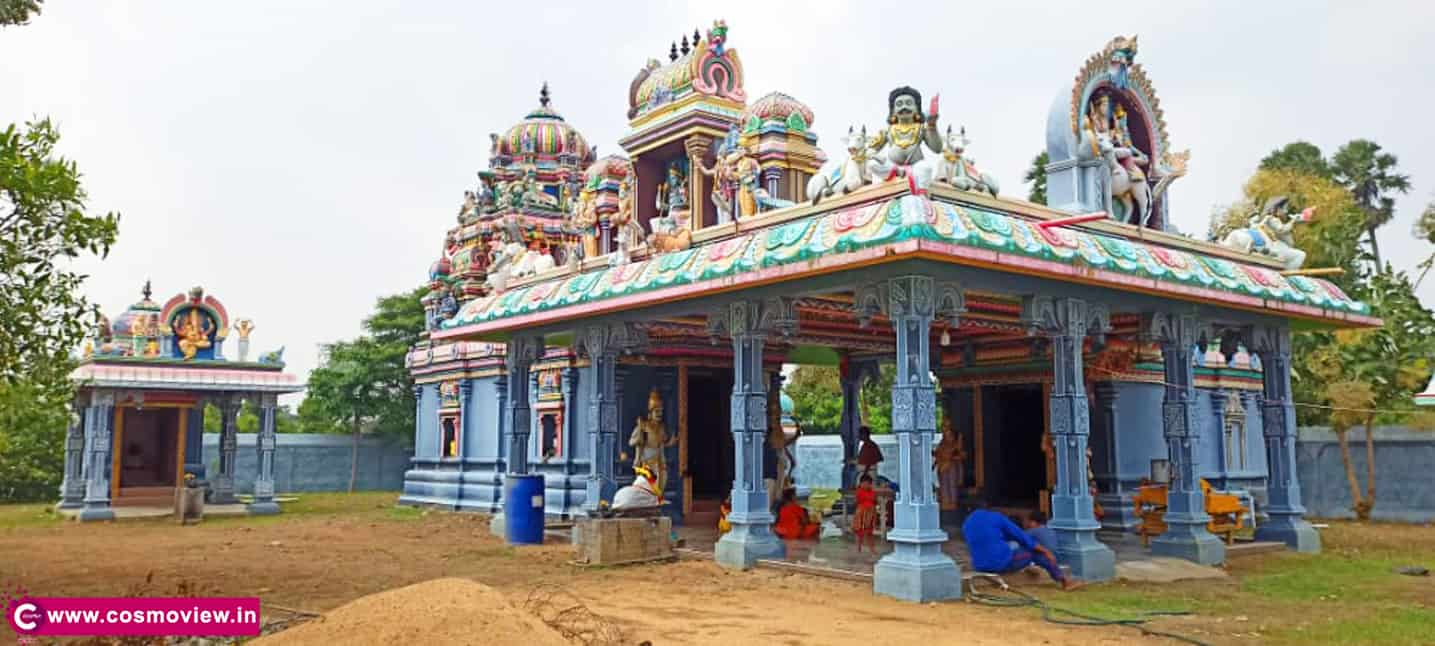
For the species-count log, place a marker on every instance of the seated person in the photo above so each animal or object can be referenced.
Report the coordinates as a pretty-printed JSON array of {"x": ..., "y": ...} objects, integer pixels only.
[
  {"x": 987, "y": 533},
  {"x": 1035, "y": 526},
  {"x": 869, "y": 455},
  {"x": 642, "y": 493},
  {"x": 724, "y": 526},
  {"x": 793, "y": 522}
]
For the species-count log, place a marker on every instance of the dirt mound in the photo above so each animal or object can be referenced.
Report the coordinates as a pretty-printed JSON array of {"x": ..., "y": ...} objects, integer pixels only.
[{"x": 441, "y": 611}]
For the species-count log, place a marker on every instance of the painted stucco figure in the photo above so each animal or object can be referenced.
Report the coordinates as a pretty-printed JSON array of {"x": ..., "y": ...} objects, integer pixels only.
[
  {"x": 1271, "y": 232},
  {"x": 650, "y": 438},
  {"x": 847, "y": 173},
  {"x": 949, "y": 461},
  {"x": 954, "y": 167},
  {"x": 898, "y": 147},
  {"x": 193, "y": 333}
]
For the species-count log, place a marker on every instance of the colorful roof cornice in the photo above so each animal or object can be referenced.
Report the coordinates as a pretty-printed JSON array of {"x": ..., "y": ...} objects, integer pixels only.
[{"x": 902, "y": 227}]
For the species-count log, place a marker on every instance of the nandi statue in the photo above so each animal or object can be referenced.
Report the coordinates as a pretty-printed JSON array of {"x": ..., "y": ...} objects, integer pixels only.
[
  {"x": 958, "y": 170},
  {"x": 847, "y": 173},
  {"x": 1267, "y": 233}
]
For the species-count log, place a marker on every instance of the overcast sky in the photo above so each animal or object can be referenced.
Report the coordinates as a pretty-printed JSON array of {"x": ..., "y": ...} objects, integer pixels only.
[{"x": 299, "y": 159}]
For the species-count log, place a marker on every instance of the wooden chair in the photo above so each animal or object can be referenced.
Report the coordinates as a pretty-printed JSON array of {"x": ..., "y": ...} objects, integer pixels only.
[{"x": 1225, "y": 509}]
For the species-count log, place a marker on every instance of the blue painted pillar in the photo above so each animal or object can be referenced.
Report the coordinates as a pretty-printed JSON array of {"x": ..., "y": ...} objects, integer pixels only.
[
  {"x": 465, "y": 410},
  {"x": 265, "y": 444},
  {"x": 72, "y": 489},
  {"x": 854, "y": 374},
  {"x": 751, "y": 537},
  {"x": 916, "y": 569},
  {"x": 223, "y": 483},
  {"x": 1067, "y": 321},
  {"x": 602, "y": 344},
  {"x": 500, "y": 397},
  {"x": 1186, "y": 535},
  {"x": 1106, "y": 462},
  {"x": 522, "y": 352},
  {"x": 99, "y": 442},
  {"x": 194, "y": 443},
  {"x": 1286, "y": 516}
]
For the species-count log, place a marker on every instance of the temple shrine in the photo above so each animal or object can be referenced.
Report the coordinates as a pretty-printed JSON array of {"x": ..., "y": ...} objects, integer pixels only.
[
  {"x": 589, "y": 315},
  {"x": 142, "y": 385}
]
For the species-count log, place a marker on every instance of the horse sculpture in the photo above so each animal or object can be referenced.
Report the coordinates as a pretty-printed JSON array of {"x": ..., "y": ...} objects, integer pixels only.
[
  {"x": 1268, "y": 234},
  {"x": 955, "y": 169},
  {"x": 847, "y": 173}
]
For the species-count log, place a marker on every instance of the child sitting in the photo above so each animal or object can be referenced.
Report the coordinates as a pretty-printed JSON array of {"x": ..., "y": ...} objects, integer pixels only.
[
  {"x": 724, "y": 526},
  {"x": 793, "y": 522}
]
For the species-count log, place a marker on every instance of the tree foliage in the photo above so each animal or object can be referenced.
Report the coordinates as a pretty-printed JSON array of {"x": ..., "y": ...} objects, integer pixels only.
[
  {"x": 1371, "y": 178},
  {"x": 1301, "y": 157},
  {"x": 364, "y": 385},
  {"x": 1036, "y": 176},
  {"x": 17, "y": 12},
  {"x": 816, "y": 393},
  {"x": 43, "y": 316}
]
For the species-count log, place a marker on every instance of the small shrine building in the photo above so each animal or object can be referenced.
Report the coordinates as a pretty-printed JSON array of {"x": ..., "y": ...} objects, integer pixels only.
[
  {"x": 142, "y": 386},
  {"x": 590, "y": 314}
]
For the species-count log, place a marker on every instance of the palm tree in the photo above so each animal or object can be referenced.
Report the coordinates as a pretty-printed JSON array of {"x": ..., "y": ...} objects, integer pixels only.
[{"x": 1370, "y": 177}]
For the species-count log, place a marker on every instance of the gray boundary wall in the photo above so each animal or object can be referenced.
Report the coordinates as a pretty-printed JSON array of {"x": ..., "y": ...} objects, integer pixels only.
[
  {"x": 316, "y": 462},
  {"x": 1404, "y": 470}
]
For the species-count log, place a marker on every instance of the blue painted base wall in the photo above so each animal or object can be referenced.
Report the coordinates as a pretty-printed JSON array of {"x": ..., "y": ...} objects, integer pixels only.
[{"x": 316, "y": 462}]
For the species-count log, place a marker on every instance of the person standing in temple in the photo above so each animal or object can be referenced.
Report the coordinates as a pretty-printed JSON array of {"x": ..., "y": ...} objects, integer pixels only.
[{"x": 868, "y": 454}]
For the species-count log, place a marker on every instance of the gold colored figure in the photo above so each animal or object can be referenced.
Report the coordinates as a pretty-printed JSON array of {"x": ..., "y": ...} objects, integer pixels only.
[
  {"x": 747, "y": 191},
  {"x": 193, "y": 333},
  {"x": 950, "y": 462},
  {"x": 650, "y": 438},
  {"x": 585, "y": 220}
]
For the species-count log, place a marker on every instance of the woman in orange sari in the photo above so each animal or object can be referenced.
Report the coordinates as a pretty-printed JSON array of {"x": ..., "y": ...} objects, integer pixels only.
[{"x": 793, "y": 522}]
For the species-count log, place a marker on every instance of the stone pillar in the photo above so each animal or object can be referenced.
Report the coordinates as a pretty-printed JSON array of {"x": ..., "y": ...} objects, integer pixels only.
[
  {"x": 1186, "y": 534},
  {"x": 916, "y": 569},
  {"x": 222, "y": 491},
  {"x": 522, "y": 352},
  {"x": 1219, "y": 399},
  {"x": 602, "y": 344},
  {"x": 500, "y": 398},
  {"x": 697, "y": 148},
  {"x": 72, "y": 489},
  {"x": 853, "y": 374},
  {"x": 747, "y": 324},
  {"x": 770, "y": 179},
  {"x": 1067, "y": 321},
  {"x": 1106, "y": 455},
  {"x": 99, "y": 442},
  {"x": 1286, "y": 516},
  {"x": 265, "y": 444}
]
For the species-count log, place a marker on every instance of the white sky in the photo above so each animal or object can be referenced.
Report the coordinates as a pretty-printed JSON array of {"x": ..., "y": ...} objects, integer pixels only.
[{"x": 299, "y": 159}]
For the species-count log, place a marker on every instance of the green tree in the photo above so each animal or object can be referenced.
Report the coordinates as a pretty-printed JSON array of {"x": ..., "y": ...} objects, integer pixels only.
[
  {"x": 1036, "y": 176},
  {"x": 43, "y": 316},
  {"x": 17, "y": 12},
  {"x": 364, "y": 385},
  {"x": 1371, "y": 178},
  {"x": 1424, "y": 229},
  {"x": 816, "y": 394},
  {"x": 1301, "y": 157}
]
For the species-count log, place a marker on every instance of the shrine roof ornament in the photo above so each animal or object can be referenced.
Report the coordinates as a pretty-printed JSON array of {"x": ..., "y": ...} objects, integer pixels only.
[
  {"x": 710, "y": 69},
  {"x": 959, "y": 233},
  {"x": 541, "y": 132}
]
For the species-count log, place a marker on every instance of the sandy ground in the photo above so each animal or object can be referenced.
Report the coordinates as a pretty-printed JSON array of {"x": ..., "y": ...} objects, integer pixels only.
[{"x": 319, "y": 562}]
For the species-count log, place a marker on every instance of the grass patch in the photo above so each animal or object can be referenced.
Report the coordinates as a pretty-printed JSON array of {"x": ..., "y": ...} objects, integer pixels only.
[
  {"x": 1393, "y": 626},
  {"x": 404, "y": 514},
  {"x": 29, "y": 515}
]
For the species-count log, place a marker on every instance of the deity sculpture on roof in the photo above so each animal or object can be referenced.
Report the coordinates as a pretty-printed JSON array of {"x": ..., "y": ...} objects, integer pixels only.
[
  {"x": 673, "y": 194},
  {"x": 193, "y": 333},
  {"x": 583, "y": 218},
  {"x": 724, "y": 174},
  {"x": 899, "y": 145}
]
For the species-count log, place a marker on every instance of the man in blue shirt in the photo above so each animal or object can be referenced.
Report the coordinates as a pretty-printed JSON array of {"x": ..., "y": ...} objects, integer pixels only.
[
  {"x": 987, "y": 533},
  {"x": 1035, "y": 525}
]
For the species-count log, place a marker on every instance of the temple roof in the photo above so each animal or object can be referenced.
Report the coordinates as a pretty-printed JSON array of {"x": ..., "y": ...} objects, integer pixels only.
[
  {"x": 545, "y": 131},
  {"x": 174, "y": 375},
  {"x": 964, "y": 231}
]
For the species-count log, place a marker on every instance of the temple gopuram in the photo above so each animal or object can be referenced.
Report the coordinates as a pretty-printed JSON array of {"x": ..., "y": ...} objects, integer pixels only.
[
  {"x": 589, "y": 315},
  {"x": 142, "y": 385}
]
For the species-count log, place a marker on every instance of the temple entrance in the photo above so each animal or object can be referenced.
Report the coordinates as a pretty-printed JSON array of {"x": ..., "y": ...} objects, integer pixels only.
[
  {"x": 1015, "y": 422},
  {"x": 710, "y": 448},
  {"x": 147, "y": 454}
]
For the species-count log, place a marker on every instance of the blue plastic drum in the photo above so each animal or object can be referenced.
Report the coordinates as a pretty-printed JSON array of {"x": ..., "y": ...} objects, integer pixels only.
[{"x": 523, "y": 509}]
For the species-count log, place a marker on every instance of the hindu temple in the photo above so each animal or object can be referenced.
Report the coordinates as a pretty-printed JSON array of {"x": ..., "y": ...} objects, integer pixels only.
[
  {"x": 589, "y": 315},
  {"x": 143, "y": 383}
]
